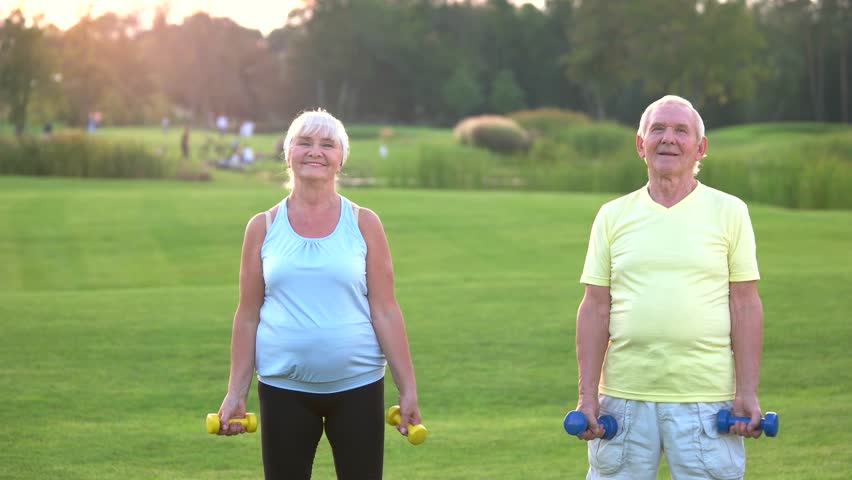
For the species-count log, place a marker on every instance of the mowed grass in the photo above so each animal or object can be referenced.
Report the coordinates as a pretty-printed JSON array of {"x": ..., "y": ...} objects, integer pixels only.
[{"x": 116, "y": 300}]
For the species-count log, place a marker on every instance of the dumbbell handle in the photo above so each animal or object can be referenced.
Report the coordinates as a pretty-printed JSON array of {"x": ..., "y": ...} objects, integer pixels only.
[
  {"x": 732, "y": 419},
  {"x": 575, "y": 423},
  {"x": 416, "y": 433},
  {"x": 769, "y": 423},
  {"x": 213, "y": 423}
]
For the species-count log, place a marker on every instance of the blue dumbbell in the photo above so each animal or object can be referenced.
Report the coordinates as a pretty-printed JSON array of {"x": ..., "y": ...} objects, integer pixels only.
[
  {"x": 575, "y": 423},
  {"x": 769, "y": 423}
]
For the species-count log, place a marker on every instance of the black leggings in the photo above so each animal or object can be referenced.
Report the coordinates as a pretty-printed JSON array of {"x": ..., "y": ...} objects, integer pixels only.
[{"x": 292, "y": 423}]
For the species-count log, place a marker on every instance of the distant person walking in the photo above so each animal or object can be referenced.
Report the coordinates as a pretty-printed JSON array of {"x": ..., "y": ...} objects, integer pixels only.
[
  {"x": 247, "y": 156},
  {"x": 318, "y": 319},
  {"x": 222, "y": 124},
  {"x": 184, "y": 143},
  {"x": 670, "y": 328},
  {"x": 247, "y": 129},
  {"x": 93, "y": 120}
]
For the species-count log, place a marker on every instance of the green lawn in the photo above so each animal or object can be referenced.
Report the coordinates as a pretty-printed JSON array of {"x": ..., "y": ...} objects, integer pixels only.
[{"x": 116, "y": 299}]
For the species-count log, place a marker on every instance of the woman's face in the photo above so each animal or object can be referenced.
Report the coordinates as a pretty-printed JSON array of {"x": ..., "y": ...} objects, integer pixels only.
[{"x": 314, "y": 157}]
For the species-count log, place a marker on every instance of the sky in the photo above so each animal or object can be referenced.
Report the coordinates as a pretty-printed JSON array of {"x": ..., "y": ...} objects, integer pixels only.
[{"x": 264, "y": 15}]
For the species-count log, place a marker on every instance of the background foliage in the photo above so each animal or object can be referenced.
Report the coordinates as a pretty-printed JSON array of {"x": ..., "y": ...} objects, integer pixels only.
[{"x": 435, "y": 62}]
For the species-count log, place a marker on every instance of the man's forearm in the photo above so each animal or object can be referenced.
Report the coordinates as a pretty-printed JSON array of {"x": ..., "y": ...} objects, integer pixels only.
[
  {"x": 746, "y": 336},
  {"x": 592, "y": 339}
]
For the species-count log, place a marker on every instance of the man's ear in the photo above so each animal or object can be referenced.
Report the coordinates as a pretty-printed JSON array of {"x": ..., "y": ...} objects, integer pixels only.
[{"x": 702, "y": 148}]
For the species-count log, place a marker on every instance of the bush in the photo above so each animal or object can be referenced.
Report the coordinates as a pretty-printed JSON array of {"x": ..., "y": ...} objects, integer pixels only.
[
  {"x": 819, "y": 183},
  {"x": 492, "y": 132},
  {"x": 600, "y": 140},
  {"x": 548, "y": 122},
  {"x": 441, "y": 166},
  {"x": 80, "y": 155},
  {"x": 363, "y": 131},
  {"x": 592, "y": 176}
]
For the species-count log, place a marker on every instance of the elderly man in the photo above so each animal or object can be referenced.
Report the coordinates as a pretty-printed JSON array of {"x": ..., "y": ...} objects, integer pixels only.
[{"x": 670, "y": 327}]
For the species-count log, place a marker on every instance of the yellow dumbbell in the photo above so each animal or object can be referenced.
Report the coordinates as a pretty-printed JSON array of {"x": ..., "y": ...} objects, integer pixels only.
[
  {"x": 250, "y": 422},
  {"x": 416, "y": 433}
]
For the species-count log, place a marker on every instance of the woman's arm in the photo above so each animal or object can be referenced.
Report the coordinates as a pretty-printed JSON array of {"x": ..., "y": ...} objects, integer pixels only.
[
  {"x": 387, "y": 317},
  {"x": 244, "y": 330}
]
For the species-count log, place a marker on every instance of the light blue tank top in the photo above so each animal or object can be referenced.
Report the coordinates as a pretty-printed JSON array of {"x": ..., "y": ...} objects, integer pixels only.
[{"x": 315, "y": 334}]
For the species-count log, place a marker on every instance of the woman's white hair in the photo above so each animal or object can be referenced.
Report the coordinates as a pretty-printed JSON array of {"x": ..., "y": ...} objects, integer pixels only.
[
  {"x": 317, "y": 122},
  {"x": 314, "y": 122}
]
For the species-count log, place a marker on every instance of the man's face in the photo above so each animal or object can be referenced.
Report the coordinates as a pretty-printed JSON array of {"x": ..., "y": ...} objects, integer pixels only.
[{"x": 671, "y": 147}]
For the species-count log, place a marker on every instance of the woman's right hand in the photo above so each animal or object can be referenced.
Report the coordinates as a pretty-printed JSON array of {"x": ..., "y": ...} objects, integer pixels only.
[{"x": 231, "y": 408}]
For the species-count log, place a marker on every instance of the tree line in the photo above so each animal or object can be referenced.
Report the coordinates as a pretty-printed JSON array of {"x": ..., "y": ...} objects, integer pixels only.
[{"x": 437, "y": 61}]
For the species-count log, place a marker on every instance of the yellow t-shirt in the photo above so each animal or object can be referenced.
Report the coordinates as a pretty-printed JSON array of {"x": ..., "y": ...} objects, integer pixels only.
[{"x": 669, "y": 270}]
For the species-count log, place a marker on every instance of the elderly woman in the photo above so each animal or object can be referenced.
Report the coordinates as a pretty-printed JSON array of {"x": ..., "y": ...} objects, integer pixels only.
[{"x": 318, "y": 319}]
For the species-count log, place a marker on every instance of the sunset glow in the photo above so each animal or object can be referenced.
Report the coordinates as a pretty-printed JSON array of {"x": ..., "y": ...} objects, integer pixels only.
[{"x": 259, "y": 14}]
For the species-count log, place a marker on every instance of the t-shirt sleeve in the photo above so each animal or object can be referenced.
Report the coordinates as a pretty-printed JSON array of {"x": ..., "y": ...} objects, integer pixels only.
[
  {"x": 597, "y": 268},
  {"x": 742, "y": 251}
]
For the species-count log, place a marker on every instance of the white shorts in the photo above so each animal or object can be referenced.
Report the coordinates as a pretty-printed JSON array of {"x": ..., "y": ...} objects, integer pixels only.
[{"x": 685, "y": 432}]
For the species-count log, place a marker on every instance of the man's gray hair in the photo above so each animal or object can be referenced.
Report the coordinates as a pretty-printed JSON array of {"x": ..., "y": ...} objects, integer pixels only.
[
  {"x": 643, "y": 123},
  {"x": 699, "y": 123}
]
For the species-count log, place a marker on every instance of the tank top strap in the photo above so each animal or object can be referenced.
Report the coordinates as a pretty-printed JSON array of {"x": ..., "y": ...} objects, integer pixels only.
[{"x": 356, "y": 209}]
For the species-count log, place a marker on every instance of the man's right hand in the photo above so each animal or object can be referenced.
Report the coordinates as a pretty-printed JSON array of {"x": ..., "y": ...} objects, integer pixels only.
[{"x": 590, "y": 407}]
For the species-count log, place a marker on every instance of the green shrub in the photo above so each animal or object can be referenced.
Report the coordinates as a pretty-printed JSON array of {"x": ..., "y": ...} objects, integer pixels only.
[
  {"x": 819, "y": 183},
  {"x": 599, "y": 140},
  {"x": 548, "y": 121},
  {"x": 592, "y": 176},
  {"x": 546, "y": 151},
  {"x": 442, "y": 166},
  {"x": 80, "y": 155},
  {"x": 363, "y": 131},
  {"x": 492, "y": 132}
]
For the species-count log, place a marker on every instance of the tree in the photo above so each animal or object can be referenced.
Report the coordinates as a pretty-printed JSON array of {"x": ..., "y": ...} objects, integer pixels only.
[
  {"x": 808, "y": 58},
  {"x": 506, "y": 95},
  {"x": 85, "y": 70},
  {"x": 721, "y": 61},
  {"x": 24, "y": 66},
  {"x": 603, "y": 36},
  {"x": 462, "y": 93}
]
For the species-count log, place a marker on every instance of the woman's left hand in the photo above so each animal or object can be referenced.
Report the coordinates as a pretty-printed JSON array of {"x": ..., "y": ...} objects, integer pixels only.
[{"x": 409, "y": 413}]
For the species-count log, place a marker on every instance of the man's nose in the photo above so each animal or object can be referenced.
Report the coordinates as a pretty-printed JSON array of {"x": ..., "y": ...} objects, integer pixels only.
[{"x": 668, "y": 136}]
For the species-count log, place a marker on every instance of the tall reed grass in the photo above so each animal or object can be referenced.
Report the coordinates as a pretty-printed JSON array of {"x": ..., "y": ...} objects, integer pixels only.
[
  {"x": 80, "y": 155},
  {"x": 440, "y": 166},
  {"x": 548, "y": 121},
  {"x": 819, "y": 183},
  {"x": 802, "y": 172}
]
